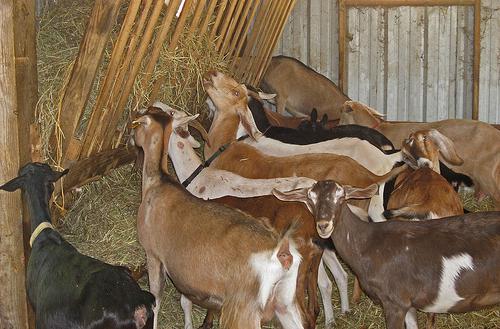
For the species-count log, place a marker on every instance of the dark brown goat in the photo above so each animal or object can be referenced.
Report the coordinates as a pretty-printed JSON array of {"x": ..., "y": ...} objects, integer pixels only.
[{"x": 447, "y": 265}]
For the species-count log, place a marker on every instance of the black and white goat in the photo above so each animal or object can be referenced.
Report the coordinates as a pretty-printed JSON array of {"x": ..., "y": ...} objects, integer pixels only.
[{"x": 69, "y": 290}]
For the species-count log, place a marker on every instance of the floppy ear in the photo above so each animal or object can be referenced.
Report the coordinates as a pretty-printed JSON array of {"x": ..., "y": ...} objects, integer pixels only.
[
  {"x": 293, "y": 195},
  {"x": 248, "y": 123},
  {"x": 446, "y": 147},
  {"x": 266, "y": 96},
  {"x": 56, "y": 175},
  {"x": 13, "y": 184},
  {"x": 360, "y": 193}
]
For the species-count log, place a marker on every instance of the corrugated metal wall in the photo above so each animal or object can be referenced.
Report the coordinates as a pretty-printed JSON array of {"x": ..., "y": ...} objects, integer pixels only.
[{"x": 412, "y": 63}]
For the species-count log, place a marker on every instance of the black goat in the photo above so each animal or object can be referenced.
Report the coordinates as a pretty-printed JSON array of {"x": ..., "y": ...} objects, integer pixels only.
[
  {"x": 69, "y": 290},
  {"x": 314, "y": 133}
]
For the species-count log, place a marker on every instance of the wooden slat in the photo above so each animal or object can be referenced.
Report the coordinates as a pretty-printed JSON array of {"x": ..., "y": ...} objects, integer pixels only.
[
  {"x": 94, "y": 167},
  {"x": 392, "y": 63},
  {"x": 277, "y": 32},
  {"x": 443, "y": 82},
  {"x": 197, "y": 15},
  {"x": 179, "y": 27},
  {"x": 238, "y": 35},
  {"x": 352, "y": 54},
  {"x": 364, "y": 55},
  {"x": 228, "y": 15},
  {"x": 218, "y": 18},
  {"x": 27, "y": 97},
  {"x": 229, "y": 34},
  {"x": 110, "y": 76},
  {"x": 432, "y": 64},
  {"x": 208, "y": 16},
  {"x": 84, "y": 71},
  {"x": 131, "y": 75},
  {"x": 13, "y": 303},
  {"x": 452, "y": 65},
  {"x": 399, "y": 3},
  {"x": 244, "y": 34}
]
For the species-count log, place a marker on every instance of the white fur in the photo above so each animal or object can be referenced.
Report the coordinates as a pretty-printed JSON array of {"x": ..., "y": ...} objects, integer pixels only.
[
  {"x": 447, "y": 295},
  {"x": 339, "y": 274},
  {"x": 411, "y": 319},
  {"x": 273, "y": 277},
  {"x": 187, "y": 307},
  {"x": 362, "y": 151}
]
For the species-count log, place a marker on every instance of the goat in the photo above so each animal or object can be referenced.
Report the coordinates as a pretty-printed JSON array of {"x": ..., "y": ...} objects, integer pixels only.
[
  {"x": 68, "y": 289},
  {"x": 311, "y": 132},
  {"x": 300, "y": 88},
  {"x": 420, "y": 191},
  {"x": 447, "y": 265},
  {"x": 217, "y": 257},
  {"x": 186, "y": 161},
  {"x": 481, "y": 163},
  {"x": 230, "y": 99}
]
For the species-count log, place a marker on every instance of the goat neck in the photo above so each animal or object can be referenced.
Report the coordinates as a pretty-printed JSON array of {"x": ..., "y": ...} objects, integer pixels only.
[
  {"x": 222, "y": 131},
  {"x": 183, "y": 156},
  {"x": 349, "y": 236},
  {"x": 37, "y": 200},
  {"x": 153, "y": 154}
]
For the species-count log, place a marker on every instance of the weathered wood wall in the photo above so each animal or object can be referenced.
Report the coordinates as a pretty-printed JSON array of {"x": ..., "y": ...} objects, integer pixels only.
[{"x": 412, "y": 63}]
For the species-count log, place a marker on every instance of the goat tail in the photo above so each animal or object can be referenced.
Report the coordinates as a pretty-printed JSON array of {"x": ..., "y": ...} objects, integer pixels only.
[{"x": 391, "y": 174}]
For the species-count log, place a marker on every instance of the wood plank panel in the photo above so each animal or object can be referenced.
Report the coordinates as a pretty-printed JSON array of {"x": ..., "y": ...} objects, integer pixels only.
[
  {"x": 13, "y": 303},
  {"x": 417, "y": 65},
  {"x": 392, "y": 62},
  {"x": 443, "y": 83},
  {"x": 352, "y": 52},
  {"x": 432, "y": 64},
  {"x": 365, "y": 53}
]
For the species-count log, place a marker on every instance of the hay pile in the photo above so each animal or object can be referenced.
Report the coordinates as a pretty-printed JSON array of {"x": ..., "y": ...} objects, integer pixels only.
[{"x": 102, "y": 220}]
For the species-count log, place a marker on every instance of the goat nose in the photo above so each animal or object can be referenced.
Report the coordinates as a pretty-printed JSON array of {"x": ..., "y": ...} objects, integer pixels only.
[
  {"x": 211, "y": 73},
  {"x": 322, "y": 226}
]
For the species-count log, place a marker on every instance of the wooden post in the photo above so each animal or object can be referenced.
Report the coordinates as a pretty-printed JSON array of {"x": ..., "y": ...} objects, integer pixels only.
[
  {"x": 84, "y": 71},
  {"x": 27, "y": 97},
  {"x": 13, "y": 310},
  {"x": 342, "y": 37}
]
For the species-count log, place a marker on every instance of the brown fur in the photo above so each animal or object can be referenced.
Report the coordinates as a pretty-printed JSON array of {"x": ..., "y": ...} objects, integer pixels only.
[
  {"x": 410, "y": 253},
  {"x": 299, "y": 89},
  {"x": 204, "y": 246},
  {"x": 477, "y": 143}
]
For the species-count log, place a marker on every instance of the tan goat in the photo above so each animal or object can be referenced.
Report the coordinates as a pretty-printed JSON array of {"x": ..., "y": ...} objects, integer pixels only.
[
  {"x": 477, "y": 143},
  {"x": 217, "y": 257}
]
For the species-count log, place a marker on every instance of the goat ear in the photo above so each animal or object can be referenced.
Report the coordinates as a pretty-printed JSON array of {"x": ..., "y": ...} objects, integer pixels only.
[
  {"x": 13, "y": 184},
  {"x": 56, "y": 175},
  {"x": 293, "y": 195},
  {"x": 248, "y": 123},
  {"x": 347, "y": 107},
  {"x": 360, "y": 193},
  {"x": 446, "y": 147},
  {"x": 314, "y": 115}
]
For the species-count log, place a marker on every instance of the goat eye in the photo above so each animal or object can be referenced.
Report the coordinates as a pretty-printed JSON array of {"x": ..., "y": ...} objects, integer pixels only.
[{"x": 236, "y": 93}]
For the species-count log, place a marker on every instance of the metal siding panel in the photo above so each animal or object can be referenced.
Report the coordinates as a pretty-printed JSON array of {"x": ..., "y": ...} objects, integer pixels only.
[
  {"x": 432, "y": 64},
  {"x": 376, "y": 67},
  {"x": 416, "y": 79},
  {"x": 392, "y": 63},
  {"x": 325, "y": 63},
  {"x": 403, "y": 63},
  {"x": 364, "y": 51},
  {"x": 314, "y": 28},
  {"x": 334, "y": 37},
  {"x": 353, "y": 53},
  {"x": 452, "y": 62},
  {"x": 460, "y": 64},
  {"x": 494, "y": 62},
  {"x": 485, "y": 68}
]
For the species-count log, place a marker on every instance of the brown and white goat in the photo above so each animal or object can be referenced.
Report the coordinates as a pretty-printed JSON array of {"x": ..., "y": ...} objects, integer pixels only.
[
  {"x": 217, "y": 257},
  {"x": 477, "y": 143},
  {"x": 447, "y": 265},
  {"x": 420, "y": 191}
]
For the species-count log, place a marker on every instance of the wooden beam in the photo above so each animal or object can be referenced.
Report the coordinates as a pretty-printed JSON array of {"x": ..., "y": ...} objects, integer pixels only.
[
  {"x": 208, "y": 17},
  {"x": 77, "y": 90},
  {"x": 477, "y": 60},
  {"x": 27, "y": 98},
  {"x": 94, "y": 167},
  {"x": 13, "y": 304},
  {"x": 412, "y": 3}
]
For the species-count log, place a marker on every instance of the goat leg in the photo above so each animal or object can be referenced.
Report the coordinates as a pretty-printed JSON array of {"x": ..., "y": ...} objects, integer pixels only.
[
  {"x": 356, "y": 291},
  {"x": 208, "y": 322}
]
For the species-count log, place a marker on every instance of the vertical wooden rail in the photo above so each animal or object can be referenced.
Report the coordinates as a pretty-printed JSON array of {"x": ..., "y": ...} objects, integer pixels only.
[
  {"x": 13, "y": 304},
  {"x": 244, "y": 34},
  {"x": 197, "y": 15},
  {"x": 117, "y": 109},
  {"x": 277, "y": 33},
  {"x": 230, "y": 32},
  {"x": 84, "y": 71},
  {"x": 27, "y": 97},
  {"x": 208, "y": 17},
  {"x": 238, "y": 35},
  {"x": 218, "y": 19},
  {"x": 179, "y": 27},
  {"x": 228, "y": 16},
  {"x": 110, "y": 77},
  {"x": 477, "y": 60}
]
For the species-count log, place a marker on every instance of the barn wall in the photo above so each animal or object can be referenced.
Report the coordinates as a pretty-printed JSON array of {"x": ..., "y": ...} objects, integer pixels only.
[{"x": 412, "y": 63}]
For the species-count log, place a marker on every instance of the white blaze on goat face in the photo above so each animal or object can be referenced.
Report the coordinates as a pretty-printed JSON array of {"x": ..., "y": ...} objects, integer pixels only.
[
  {"x": 447, "y": 295},
  {"x": 270, "y": 273}
]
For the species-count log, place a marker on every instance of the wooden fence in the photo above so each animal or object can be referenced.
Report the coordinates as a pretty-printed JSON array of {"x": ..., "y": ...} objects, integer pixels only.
[{"x": 245, "y": 31}]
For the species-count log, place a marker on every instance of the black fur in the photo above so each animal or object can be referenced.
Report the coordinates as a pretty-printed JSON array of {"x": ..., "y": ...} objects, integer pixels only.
[
  {"x": 69, "y": 290},
  {"x": 315, "y": 133}
]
